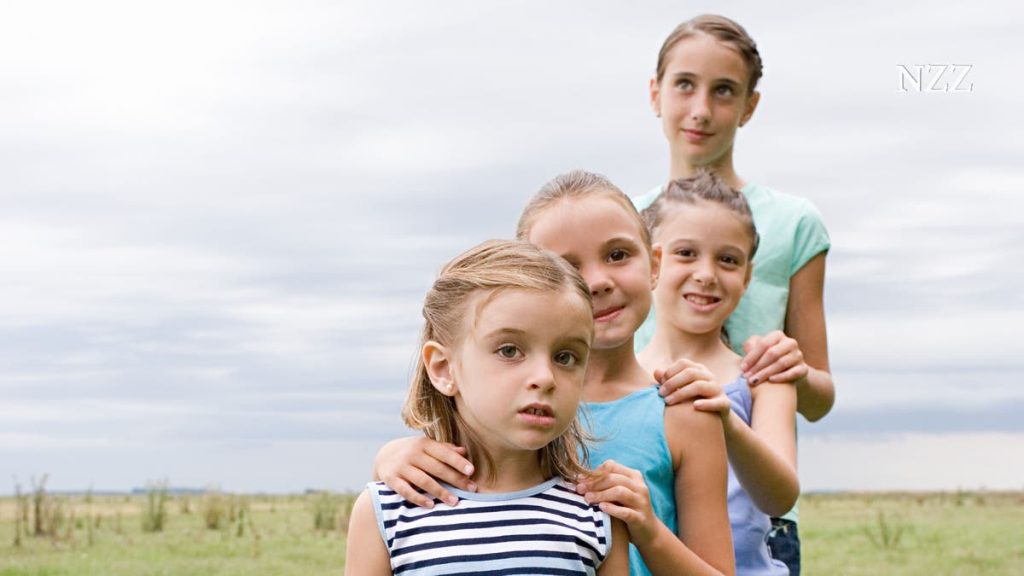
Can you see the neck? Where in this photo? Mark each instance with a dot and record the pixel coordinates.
(614, 372)
(723, 168)
(670, 344)
(514, 470)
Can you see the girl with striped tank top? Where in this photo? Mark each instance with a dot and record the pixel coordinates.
(660, 469)
(504, 351)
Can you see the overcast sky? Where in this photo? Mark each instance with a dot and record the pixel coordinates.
(218, 220)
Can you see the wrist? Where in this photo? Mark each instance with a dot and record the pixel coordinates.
(656, 537)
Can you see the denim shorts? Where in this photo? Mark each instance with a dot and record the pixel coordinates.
(784, 544)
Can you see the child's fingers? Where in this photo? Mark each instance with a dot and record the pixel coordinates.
(719, 404)
(769, 357)
(684, 379)
(784, 362)
(752, 350)
(792, 375)
(405, 490)
(620, 494)
(704, 388)
(678, 366)
(776, 359)
(431, 486)
(627, 515)
(445, 462)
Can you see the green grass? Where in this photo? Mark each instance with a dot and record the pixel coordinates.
(965, 533)
(278, 538)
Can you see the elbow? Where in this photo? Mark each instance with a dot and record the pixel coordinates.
(783, 501)
(814, 411)
(817, 413)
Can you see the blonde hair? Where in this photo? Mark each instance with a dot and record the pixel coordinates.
(572, 185)
(493, 266)
(725, 31)
(704, 186)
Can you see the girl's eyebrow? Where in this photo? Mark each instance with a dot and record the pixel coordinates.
(722, 80)
(506, 330)
(619, 240)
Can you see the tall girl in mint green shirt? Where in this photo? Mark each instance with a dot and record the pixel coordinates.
(704, 90)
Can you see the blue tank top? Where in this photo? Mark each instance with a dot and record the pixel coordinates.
(749, 525)
(631, 431)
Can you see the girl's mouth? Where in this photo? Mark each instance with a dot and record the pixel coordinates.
(701, 302)
(696, 135)
(538, 415)
(607, 314)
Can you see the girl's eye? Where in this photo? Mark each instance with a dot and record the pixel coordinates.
(508, 351)
(686, 252)
(730, 260)
(566, 358)
(684, 84)
(618, 255)
(725, 90)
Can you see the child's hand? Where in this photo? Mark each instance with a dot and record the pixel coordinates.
(688, 380)
(622, 493)
(409, 463)
(773, 357)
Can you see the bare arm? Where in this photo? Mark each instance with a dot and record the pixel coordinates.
(699, 453)
(763, 455)
(365, 553)
(800, 354)
(805, 322)
(616, 562)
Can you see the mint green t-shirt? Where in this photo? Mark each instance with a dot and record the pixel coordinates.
(792, 233)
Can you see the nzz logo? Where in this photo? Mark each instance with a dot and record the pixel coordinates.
(927, 78)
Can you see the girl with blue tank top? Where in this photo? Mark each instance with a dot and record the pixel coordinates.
(705, 234)
(661, 469)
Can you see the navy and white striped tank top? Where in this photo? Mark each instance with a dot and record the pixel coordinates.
(547, 529)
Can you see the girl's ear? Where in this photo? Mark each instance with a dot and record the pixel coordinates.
(746, 277)
(438, 362)
(655, 95)
(656, 253)
(751, 105)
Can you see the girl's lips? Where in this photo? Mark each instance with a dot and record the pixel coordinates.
(697, 135)
(607, 314)
(701, 302)
(537, 414)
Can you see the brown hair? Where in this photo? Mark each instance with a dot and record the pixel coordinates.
(704, 186)
(571, 185)
(724, 30)
(492, 266)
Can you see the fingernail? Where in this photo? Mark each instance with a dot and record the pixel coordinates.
(428, 503)
(468, 469)
(471, 487)
(451, 501)
(589, 496)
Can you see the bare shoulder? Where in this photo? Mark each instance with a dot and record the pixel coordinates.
(686, 427)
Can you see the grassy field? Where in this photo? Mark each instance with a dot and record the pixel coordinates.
(965, 533)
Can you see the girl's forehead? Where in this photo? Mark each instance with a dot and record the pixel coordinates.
(594, 213)
(700, 217)
(704, 52)
(529, 311)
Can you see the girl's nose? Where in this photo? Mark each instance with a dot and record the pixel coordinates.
(704, 274)
(542, 377)
(700, 109)
(597, 280)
